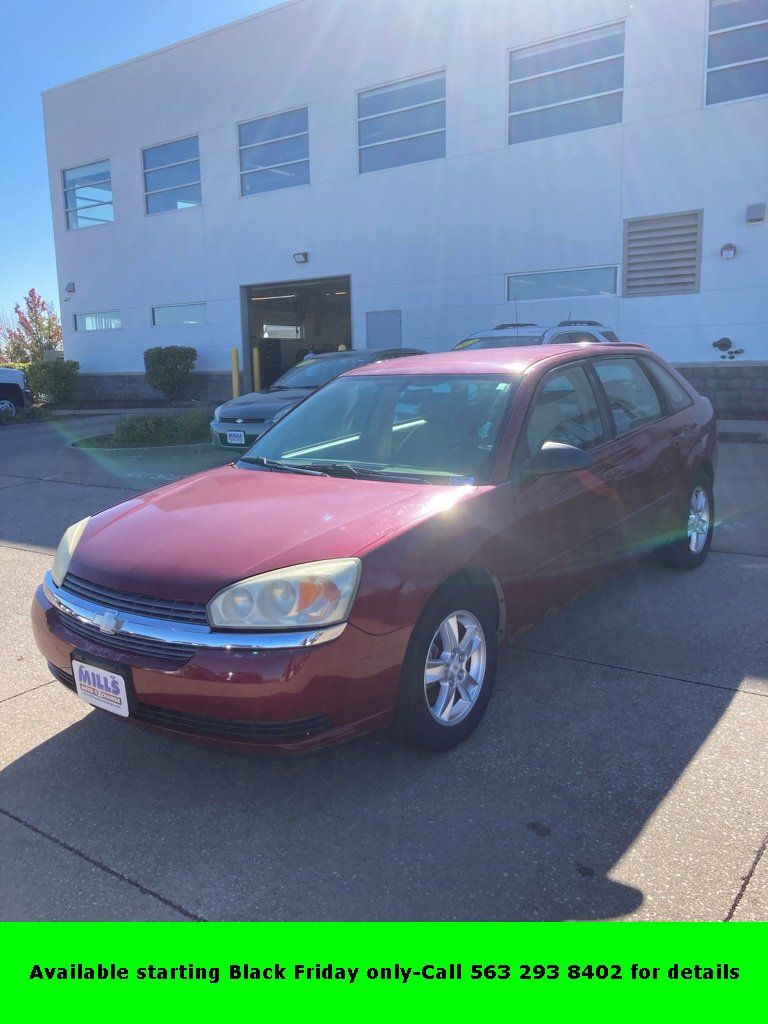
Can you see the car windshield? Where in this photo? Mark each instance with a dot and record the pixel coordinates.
(420, 428)
(504, 341)
(313, 372)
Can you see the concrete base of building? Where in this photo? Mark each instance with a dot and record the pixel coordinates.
(737, 390)
(133, 387)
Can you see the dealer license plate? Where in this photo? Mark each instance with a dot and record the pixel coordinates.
(101, 687)
(235, 437)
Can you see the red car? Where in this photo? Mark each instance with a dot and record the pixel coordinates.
(360, 566)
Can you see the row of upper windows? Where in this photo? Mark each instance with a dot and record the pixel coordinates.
(565, 85)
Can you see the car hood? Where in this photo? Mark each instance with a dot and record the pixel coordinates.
(262, 405)
(188, 540)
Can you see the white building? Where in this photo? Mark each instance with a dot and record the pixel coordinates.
(440, 165)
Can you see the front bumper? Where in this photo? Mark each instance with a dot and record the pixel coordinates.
(252, 432)
(269, 699)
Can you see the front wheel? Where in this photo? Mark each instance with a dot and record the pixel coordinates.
(449, 670)
(694, 528)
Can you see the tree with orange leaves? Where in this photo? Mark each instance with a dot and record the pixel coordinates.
(37, 330)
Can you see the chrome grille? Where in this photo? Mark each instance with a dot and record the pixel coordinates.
(167, 650)
(121, 601)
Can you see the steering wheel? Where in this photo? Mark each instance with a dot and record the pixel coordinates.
(469, 448)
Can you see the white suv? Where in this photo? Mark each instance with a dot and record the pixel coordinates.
(567, 332)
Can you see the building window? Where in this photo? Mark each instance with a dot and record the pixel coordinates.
(183, 313)
(402, 123)
(737, 61)
(172, 176)
(662, 255)
(567, 85)
(108, 321)
(88, 195)
(274, 152)
(562, 284)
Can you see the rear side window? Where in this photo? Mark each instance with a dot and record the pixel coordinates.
(675, 394)
(631, 396)
(564, 410)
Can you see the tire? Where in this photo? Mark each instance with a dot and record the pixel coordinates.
(8, 409)
(418, 721)
(689, 550)
(10, 393)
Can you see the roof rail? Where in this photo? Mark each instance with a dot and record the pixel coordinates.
(505, 327)
(580, 323)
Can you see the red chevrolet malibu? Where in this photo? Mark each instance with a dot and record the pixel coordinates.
(360, 566)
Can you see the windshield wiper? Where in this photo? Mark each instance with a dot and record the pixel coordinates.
(285, 467)
(364, 472)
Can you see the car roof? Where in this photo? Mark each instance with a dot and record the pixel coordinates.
(511, 332)
(365, 353)
(495, 360)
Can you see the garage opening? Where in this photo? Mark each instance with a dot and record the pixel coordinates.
(289, 319)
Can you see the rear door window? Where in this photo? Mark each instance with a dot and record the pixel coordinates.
(631, 395)
(676, 395)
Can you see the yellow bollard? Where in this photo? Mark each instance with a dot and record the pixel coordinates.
(256, 357)
(235, 373)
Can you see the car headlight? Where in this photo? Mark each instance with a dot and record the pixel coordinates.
(217, 412)
(314, 594)
(66, 549)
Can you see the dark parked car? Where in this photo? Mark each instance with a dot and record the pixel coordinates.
(238, 423)
(359, 568)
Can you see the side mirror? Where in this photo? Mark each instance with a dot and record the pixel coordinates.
(558, 458)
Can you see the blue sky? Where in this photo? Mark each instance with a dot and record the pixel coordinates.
(45, 43)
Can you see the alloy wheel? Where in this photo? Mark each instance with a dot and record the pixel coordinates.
(455, 668)
(699, 518)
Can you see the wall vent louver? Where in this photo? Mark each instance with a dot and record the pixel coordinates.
(662, 255)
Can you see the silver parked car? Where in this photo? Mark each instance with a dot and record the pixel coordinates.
(567, 332)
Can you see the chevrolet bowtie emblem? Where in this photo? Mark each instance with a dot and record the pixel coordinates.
(108, 622)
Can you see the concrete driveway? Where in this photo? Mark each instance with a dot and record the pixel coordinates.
(620, 771)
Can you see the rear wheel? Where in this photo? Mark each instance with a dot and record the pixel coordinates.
(693, 529)
(449, 670)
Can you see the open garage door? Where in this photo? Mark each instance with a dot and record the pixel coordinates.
(289, 319)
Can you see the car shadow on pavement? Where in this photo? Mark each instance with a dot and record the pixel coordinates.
(523, 822)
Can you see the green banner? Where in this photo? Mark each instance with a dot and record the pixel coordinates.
(156, 970)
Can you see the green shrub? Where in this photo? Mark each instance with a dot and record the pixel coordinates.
(24, 367)
(56, 380)
(169, 369)
(189, 427)
(30, 414)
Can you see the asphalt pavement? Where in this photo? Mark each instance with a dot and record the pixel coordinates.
(620, 771)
